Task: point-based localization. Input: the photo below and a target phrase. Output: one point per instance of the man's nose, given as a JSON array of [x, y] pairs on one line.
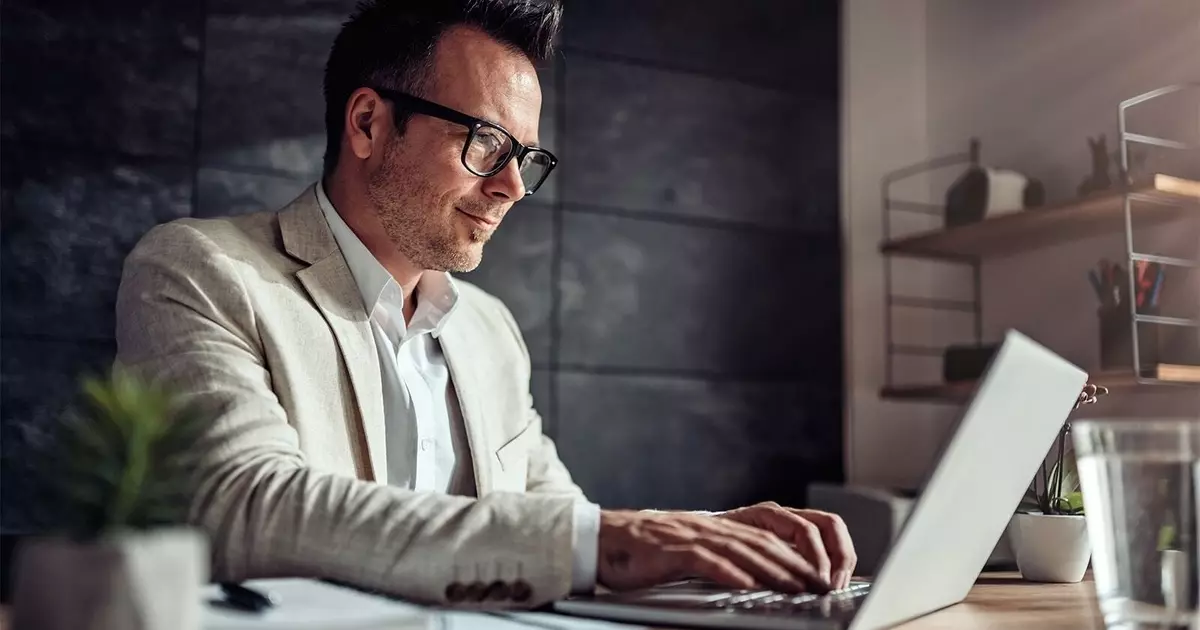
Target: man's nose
[[507, 184]]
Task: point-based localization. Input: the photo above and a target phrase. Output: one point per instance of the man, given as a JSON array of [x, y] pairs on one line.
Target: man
[[372, 421]]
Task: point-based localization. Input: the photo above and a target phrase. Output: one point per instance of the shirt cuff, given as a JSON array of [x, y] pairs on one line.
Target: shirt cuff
[[696, 512], [585, 547]]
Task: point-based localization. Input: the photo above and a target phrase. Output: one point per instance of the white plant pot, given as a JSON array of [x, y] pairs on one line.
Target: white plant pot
[[1050, 548], [131, 581], [1175, 571]]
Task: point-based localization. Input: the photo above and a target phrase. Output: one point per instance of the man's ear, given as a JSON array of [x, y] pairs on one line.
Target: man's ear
[[364, 123], [363, 120]]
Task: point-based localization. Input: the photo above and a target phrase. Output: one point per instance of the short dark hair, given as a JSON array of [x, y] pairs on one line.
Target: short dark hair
[[390, 43]]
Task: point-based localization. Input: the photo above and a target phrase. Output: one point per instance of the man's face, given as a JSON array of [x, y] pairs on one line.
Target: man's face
[[436, 212]]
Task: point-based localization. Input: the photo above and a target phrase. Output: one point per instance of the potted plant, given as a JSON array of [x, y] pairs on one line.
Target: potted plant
[[1176, 567], [123, 471], [1048, 533]]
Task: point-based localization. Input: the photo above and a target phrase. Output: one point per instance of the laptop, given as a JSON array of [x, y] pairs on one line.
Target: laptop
[[1005, 431]]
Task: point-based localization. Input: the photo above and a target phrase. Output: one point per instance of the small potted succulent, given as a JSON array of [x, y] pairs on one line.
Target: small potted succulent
[[123, 470], [1175, 569], [1048, 533]]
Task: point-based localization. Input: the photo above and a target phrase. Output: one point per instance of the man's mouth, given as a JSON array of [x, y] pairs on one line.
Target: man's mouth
[[482, 222]]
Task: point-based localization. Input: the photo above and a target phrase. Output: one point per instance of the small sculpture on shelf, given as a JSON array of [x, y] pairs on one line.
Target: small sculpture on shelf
[[1098, 180]]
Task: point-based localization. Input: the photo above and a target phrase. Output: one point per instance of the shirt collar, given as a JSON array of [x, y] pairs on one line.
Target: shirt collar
[[437, 290]]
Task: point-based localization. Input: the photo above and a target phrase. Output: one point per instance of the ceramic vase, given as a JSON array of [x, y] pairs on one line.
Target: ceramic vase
[[129, 581], [1049, 547]]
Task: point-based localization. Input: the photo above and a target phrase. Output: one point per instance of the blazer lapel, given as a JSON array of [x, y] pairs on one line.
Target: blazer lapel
[[456, 346], [331, 286]]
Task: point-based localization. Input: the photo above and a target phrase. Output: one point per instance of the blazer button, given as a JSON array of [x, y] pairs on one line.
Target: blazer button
[[521, 591], [498, 591], [476, 591], [456, 592]]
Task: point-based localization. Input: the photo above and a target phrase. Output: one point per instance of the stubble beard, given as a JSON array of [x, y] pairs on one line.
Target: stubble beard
[[426, 236]]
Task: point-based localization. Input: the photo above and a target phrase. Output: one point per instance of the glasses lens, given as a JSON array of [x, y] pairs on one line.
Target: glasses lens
[[534, 168], [488, 149]]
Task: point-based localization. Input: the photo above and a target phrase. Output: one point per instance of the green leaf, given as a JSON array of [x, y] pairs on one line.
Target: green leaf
[[1166, 537], [1075, 502], [1070, 475], [126, 457]]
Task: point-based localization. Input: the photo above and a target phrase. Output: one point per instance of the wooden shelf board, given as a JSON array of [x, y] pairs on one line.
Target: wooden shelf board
[[1034, 228], [1115, 379], [949, 392]]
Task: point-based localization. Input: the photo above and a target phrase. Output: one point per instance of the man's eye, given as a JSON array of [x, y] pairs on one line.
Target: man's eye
[[489, 142]]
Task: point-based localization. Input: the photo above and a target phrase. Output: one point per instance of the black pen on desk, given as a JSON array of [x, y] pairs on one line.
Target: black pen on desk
[[245, 598]]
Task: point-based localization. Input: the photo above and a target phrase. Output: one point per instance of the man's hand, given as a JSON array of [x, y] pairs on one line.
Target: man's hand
[[641, 549], [821, 537]]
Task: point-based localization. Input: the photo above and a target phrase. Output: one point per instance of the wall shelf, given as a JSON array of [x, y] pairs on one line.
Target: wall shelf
[[1140, 201], [1167, 198]]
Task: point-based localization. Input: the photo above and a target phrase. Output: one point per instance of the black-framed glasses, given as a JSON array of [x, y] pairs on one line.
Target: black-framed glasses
[[489, 147]]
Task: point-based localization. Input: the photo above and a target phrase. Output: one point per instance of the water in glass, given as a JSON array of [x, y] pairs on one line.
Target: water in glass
[[1140, 491]]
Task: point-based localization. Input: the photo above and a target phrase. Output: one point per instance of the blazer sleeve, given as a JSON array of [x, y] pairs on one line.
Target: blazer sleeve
[[547, 474], [184, 316]]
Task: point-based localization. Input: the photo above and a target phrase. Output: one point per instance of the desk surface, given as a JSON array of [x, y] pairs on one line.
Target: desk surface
[[1004, 600], [998, 601]]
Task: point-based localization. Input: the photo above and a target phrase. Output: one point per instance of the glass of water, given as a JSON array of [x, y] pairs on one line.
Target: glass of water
[[1140, 481]]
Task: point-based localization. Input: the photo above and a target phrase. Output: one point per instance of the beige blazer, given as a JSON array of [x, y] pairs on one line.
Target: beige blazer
[[257, 319]]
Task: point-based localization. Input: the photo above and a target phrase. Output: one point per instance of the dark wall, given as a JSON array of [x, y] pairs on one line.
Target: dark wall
[[678, 281]]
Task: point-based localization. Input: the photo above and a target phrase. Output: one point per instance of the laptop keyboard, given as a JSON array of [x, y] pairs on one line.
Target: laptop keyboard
[[842, 600]]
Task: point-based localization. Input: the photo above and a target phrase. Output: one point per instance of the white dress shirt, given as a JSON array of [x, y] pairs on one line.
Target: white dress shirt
[[426, 438]]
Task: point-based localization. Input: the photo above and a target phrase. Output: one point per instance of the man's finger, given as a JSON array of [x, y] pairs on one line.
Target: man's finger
[[766, 542], [695, 561], [764, 570], [838, 545], [779, 522], [807, 538]]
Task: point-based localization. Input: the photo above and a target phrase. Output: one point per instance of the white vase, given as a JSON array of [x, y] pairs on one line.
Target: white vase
[[132, 581], [1175, 571], [1050, 548]]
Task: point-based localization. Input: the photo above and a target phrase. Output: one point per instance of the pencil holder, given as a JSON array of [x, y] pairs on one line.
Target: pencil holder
[[1116, 345]]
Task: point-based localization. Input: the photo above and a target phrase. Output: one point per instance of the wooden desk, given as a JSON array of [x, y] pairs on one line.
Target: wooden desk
[[1004, 600], [998, 600]]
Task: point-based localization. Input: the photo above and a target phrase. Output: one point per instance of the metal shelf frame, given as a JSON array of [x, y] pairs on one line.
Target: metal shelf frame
[[1127, 138], [892, 204]]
